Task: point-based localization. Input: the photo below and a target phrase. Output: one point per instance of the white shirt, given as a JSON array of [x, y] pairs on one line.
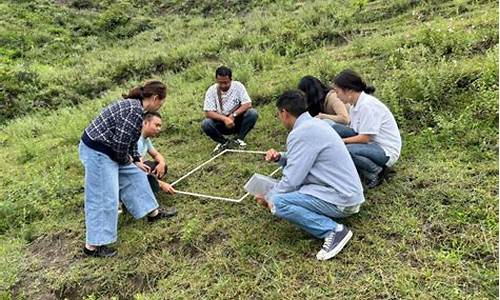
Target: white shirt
[[370, 116], [233, 98]]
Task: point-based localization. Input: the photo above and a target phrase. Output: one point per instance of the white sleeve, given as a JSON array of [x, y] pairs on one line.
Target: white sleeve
[[371, 120], [244, 97], [210, 100]]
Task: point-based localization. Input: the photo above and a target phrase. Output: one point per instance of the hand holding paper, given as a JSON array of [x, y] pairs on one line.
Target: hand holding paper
[[260, 184]]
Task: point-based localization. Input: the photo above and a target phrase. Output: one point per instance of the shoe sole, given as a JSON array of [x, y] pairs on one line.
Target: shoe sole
[[90, 254], [166, 217], [337, 249]]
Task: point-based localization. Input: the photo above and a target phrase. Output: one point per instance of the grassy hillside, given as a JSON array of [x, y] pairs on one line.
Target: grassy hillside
[[431, 232]]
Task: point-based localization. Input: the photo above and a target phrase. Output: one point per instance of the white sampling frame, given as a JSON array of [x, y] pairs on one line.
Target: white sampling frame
[[208, 161]]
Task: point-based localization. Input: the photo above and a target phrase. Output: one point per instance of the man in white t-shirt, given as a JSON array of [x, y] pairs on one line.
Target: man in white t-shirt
[[228, 110]]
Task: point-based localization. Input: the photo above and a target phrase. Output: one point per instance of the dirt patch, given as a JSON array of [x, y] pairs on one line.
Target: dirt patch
[[52, 254], [216, 237]]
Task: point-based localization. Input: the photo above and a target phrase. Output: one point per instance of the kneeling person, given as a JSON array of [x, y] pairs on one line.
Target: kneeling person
[[228, 110], [157, 167], [319, 180]]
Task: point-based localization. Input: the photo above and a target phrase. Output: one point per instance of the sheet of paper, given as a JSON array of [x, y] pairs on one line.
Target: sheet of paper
[[260, 184]]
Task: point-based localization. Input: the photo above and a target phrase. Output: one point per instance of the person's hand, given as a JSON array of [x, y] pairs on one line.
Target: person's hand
[[261, 200], [320, 116], [142, 166], [159, 171], [167, 188], [229, 122], [272, 155]]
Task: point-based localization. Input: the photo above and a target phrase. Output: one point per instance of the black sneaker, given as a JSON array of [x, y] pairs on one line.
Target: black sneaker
[[100, 251], [163, 214], [385, 174], [334, 243], [373, 182]]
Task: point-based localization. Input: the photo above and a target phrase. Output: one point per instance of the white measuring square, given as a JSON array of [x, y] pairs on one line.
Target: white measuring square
[[208, 161]]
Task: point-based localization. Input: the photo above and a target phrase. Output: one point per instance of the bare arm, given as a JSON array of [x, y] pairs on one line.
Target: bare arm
[[341, 114], [358, 139], [157, 156], [160, 168], [215, 116]]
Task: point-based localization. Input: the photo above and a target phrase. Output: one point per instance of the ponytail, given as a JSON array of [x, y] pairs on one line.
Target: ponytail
[[150, 88], [350, 80], [135, 93], [369, 89]]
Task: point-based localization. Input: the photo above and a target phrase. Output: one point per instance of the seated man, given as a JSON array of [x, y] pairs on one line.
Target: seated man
[[319, 179], [228, 110], [156, 168]]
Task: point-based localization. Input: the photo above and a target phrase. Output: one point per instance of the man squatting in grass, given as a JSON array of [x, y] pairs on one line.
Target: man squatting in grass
[[113, 168], [157, 167], [319, 179], [228, 110]]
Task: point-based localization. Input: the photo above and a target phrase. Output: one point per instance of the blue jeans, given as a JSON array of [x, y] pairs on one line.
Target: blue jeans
[[330, 122], [105, 183], [308, 212], [242, 126], [369, 159]]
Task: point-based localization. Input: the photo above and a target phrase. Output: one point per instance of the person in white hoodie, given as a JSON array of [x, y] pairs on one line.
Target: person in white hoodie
[[372, 137]]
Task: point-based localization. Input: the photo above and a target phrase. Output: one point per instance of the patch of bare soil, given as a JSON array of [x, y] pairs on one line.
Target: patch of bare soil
[[48, 254]]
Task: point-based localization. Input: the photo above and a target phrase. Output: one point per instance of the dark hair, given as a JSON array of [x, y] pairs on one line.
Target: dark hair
[[150, 114], [223, 71], [150, 88], [315, 92], [294, 101], [350, 80]]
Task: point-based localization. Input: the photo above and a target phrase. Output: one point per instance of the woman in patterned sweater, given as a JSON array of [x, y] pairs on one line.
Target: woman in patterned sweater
[[113, 169]]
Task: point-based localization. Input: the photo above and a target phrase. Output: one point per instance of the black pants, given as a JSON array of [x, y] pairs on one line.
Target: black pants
[[153, 181], [242, 126]]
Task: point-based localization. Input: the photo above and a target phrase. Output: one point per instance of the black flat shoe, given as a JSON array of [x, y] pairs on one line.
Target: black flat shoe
[[100, 251], [163, 214]]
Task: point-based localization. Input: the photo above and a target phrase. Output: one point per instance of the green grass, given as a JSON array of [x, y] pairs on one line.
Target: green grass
[[431, 232]]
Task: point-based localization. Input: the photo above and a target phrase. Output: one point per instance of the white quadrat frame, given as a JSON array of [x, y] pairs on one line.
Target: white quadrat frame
[[208, 161]]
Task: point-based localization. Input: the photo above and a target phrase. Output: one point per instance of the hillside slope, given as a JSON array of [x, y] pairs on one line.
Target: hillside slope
[[431, 232]]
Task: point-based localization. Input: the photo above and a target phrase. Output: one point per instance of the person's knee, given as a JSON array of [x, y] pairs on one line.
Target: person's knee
[[339, 128], [343, 130], [278, 204], [207, 125], [251, 114], [353, 149]]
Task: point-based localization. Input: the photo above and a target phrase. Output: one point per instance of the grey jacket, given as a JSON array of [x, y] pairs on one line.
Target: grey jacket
[[317, 163]]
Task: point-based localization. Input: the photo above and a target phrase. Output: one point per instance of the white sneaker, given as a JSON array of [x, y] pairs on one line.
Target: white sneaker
[[220, 147], [334, 243], [240, 143]]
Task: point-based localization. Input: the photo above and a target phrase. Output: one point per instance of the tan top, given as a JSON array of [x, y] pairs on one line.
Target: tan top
[[334, 109]]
